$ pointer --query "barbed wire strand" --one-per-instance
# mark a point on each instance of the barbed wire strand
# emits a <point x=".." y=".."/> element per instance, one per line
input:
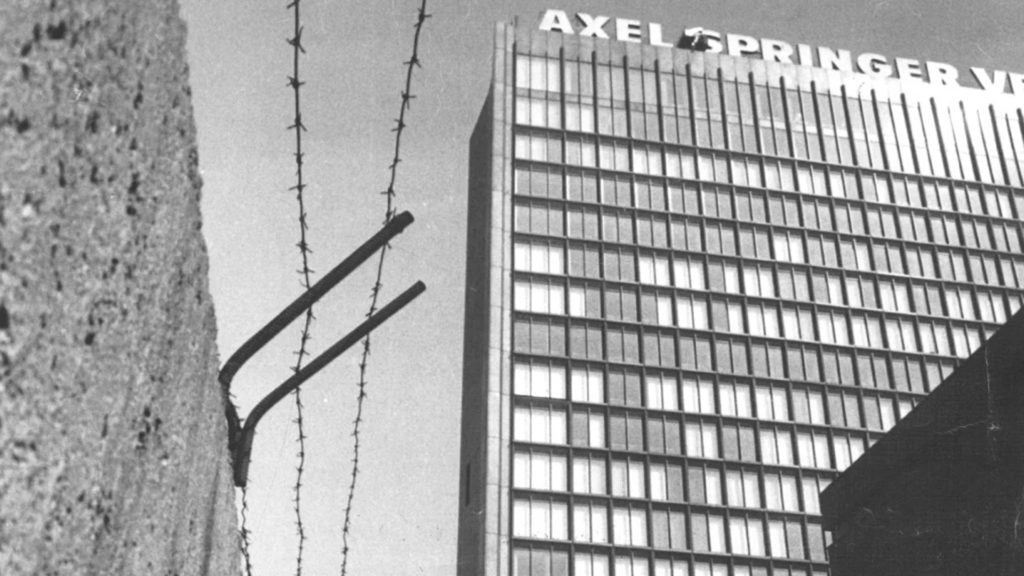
<point x="389" y="213"/>
<point x="305" y="272"/>
<point x="245" y="532"/>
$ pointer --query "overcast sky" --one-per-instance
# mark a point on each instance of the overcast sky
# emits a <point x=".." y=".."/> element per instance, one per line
<point x="406" y="503"/>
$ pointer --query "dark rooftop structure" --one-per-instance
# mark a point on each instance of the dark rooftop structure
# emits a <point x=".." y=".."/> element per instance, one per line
<point x="943" y="491"/>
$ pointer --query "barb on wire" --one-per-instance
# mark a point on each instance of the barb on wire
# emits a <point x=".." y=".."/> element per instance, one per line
<point x="295" y="83"/>
<point x="244" y="542"/>
<point x="389" y="213"/>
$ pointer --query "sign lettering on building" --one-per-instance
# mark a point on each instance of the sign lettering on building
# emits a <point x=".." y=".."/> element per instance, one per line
<point x="871" y="64"/>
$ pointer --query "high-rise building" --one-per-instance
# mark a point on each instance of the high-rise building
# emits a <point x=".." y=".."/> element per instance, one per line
<point x="699" y="284"/>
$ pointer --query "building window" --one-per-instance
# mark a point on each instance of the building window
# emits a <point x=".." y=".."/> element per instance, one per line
<point x="538" y="257"/>
<point x="705" y="485"/>
<point x="584" y="261"/>
<point x="663" y="435"/>
<point x="540" y="380"/>
<point x="623" y="346"/>
<point x="585" y="300"/>
<point x="776" y="447"/>
<point x="541" y="219"/>
<point x="587" y="385"/>
<point x="668" y="529"/>
<point x="666" y="482"/>
<point x="847" y="450"/>
<point x="654" y="270"/>
<point x="723" y="277"/>
<point x="590" y="522"/>
<point x="620" y="303"/>
<point x="812" y="448"/>
<point x="588" y="475"/>
<point x="712" y="569"/>
<point x="662" y="393"/>
<point x="707" y="533"/>
<point x="588" y="429"/>
<point x="763" y="319"/>
<point x="772" y="403"/>
<point x="746" y="536"/>
<point x="539" y="424"/>
<point x="786" y="538"/>
<point x="701" y="439"/>
<point x="738" y="442"/>
<point x="812" y="487"/>
<point x="742" y="488"/>
<point x="808" y="406"/>
<point x="585" y="342"/>
<point x="538" y="146"/>
<point x="539" y="336"/>
<point x="664" y="567"/>
<point x="617" y="226"/>
<point x="624" y="387"/>
<point x="698" y="395"/>
<point x="781" y="492"/>
<point x="628" y="478"/>
<point x="656" y="309"/>
<point x="695" y="352"/>
<point x="629" y="528"/>
<point x="692" y="312"/>
<point x="541" y="519"/>
<point x="539" y="471"/>
<point x="659" y="349"/>
<point x="589" y="565"/>
<point x="734" y="399"/>
<point x="539" y="182"/>
<point x="626" y="432"/>
<point x="538" y="73"/>
<point x="631" y="566"/>
<point x="619" y="265"/>
<point x="538" y="562"/>
<point x="583" y="223"/>
<point x="689" y="273"/>
<point x="538" y="112"/>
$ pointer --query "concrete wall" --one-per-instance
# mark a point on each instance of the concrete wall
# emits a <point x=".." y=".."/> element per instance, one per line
<point x="112" y="436"/>
<point x="476" y="353"/>
<point x="486" y="382"/>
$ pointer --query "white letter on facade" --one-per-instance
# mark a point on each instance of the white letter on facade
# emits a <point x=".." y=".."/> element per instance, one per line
<point x="556" y="20"/>
<point x="654" y="30"/>
<point x="942" y="73"/>
<point x="740" y="45"/>
<point x="1017" y="83"/>
<point x="874" y="65"/>
<point x="593" y="25"/>
<point x="776" y="51"/>
<point x="908" y="68"/>
<point x="805" y="55"/>
<point x="835" y="59"/>
<point x="996" y="84"/>
<point x="627" y="30"/>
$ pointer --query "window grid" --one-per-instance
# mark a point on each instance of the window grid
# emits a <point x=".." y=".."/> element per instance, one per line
<point x="660" y="192"/>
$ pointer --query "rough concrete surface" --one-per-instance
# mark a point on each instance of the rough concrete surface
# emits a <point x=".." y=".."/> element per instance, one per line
<point x="112" y="436"/>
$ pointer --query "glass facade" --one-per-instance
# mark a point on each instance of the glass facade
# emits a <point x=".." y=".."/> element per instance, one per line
<point x="726" y="286"/>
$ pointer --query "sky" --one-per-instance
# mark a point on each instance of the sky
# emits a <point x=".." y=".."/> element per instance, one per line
<point x="405" y="511"/>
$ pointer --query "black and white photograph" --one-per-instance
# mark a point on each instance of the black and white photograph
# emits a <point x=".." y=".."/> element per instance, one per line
<point x="480" y="288"/>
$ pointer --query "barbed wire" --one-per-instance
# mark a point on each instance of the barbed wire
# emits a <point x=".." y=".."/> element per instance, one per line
<point x="305" y="272"/>
<point x="389" y="213"/>
<point x="245" y="532"/>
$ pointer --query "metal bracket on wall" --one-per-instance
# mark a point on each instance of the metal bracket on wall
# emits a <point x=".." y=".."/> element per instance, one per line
<point x="240" y="437"/>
